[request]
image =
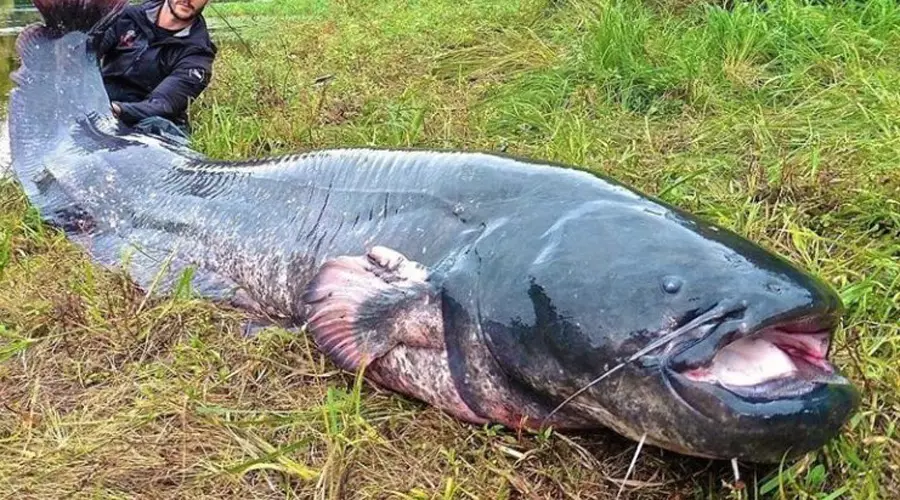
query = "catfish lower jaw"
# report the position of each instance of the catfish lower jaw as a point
(763, 429)
(762, 396)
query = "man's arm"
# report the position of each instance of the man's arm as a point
(172, 96)
(105, 41)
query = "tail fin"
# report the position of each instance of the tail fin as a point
(57, 83)
(64, 16)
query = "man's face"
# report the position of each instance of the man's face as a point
(186, 10)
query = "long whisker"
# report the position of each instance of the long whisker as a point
(713, 314)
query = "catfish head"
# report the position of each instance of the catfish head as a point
(661, 326)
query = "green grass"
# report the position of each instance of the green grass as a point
(778, 119)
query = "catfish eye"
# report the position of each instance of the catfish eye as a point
(671, 284)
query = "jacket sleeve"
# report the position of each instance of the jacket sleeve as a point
(173, 95)
(106, 41)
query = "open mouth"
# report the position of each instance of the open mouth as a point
(763, 387)
(775, 361)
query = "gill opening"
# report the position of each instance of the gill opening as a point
(716, 313)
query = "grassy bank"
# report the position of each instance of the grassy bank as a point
(778, 120)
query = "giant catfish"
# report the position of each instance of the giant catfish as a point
(497, 289)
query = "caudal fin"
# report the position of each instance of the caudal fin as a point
(64, 16)
(57, 84)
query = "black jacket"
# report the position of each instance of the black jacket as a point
(150, 71)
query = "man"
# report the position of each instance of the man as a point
(155, 59)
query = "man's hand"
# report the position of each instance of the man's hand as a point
(116, 110)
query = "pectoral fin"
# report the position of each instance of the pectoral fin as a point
(361, 307)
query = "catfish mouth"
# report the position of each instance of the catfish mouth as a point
(763, 394)
(777, 361)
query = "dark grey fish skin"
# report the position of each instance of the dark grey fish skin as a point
(491, 287)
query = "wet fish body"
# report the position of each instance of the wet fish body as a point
(492, 287)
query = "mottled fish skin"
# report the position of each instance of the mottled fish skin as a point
(538, 278)
(268, 227)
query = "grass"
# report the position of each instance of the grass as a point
(778, 119)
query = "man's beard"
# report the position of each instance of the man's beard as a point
(171, 4)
